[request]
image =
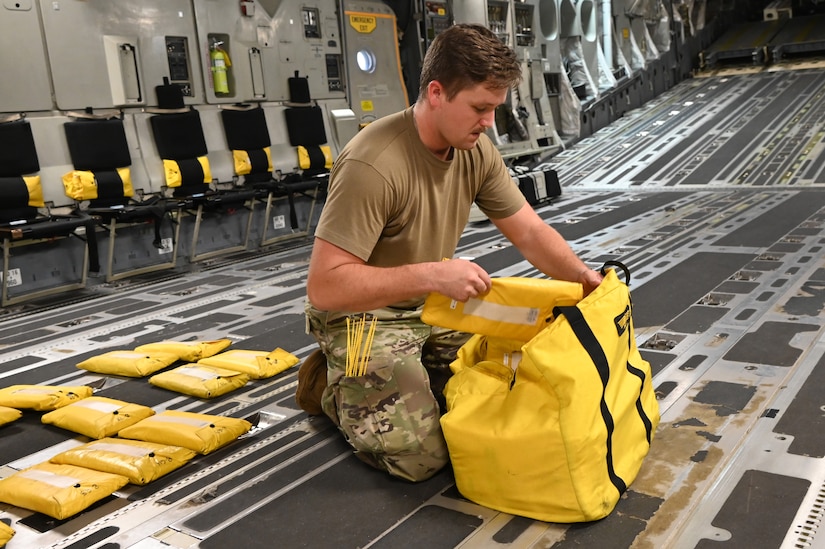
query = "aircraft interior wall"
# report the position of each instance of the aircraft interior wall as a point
(164, 163)
(585, 63)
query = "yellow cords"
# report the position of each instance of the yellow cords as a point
(358, 349)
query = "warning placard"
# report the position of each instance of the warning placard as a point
(362, 23)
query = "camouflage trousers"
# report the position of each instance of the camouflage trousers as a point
(389, 413)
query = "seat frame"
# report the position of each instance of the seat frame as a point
(212, 198)
(14, 237)
(20, 158)
(112, 218)
(255, 136)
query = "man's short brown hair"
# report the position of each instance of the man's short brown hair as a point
(464, 55)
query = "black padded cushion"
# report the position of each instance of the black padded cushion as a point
(317, 160)
(245, 130)
(259, 171)
(191, 173)
(305, 126)
(299, 89)
(97, 144)
(170, 96)
(14, 200)
(18, 155)
(109, 190)
(178, 136)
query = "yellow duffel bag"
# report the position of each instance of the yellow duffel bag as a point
(200, 381)
(558, 430)
(129, 363)
(7, 415)
(59, 491)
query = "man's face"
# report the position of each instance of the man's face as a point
(467, 115)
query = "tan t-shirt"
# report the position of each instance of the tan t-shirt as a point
(391, 202)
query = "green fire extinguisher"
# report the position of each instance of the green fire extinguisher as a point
(220, 62)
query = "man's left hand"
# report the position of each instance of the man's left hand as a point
(589, 280)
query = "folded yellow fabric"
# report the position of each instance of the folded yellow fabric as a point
(190, 351)
(305, 158)
(174, 177)
(6, 533)
(201, 433)
(243, 163)
(479, 348)
(42, 398)
(97, 417)
(514, 308)
(200, 380)
(59, 491)
(139, 461)
(7, 415)
(256, 364)
(129, 363)
(80, 185)
(83, 185)
(35, 192)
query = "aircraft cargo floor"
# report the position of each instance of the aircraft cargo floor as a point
(713, 195)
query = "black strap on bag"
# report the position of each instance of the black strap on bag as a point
(91, 245)
(630, 368)
(594, 349)
(639, 408)
(612, 263)
(591, 344)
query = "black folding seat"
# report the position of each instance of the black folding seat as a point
(248, 137)
(305, 126)
(179, 138)
(100, 152)
(25, 218)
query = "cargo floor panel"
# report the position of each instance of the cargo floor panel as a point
(709, 194)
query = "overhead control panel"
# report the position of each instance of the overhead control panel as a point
(177, 57)
(436, 18)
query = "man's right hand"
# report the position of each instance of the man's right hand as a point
(460, 279)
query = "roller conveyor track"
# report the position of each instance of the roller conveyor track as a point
(723, 227)
(799, 36)
(746, 41)
(762, 129)
(763, 43)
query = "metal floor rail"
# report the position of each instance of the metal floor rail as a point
(713, 195)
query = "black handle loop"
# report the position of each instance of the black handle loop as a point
(620, 265)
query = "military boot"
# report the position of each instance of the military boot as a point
(312, 380)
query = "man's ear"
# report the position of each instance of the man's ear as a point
(435, 93)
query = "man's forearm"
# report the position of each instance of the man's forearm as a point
(550, 253)
(356, 288)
